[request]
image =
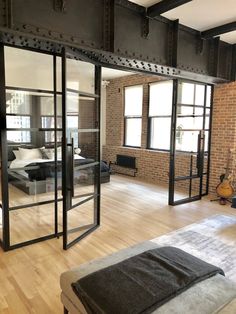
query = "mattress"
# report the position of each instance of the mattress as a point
(18, 164)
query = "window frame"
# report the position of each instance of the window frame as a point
(129, 117)
(149, 118)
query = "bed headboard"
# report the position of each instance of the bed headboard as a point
(10, 149)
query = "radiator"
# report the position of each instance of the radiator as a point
(126, 161)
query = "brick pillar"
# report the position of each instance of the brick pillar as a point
(223, 131)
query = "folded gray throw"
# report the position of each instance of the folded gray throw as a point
(142, 283)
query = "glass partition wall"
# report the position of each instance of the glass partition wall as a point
(190, 142)
(38, 116)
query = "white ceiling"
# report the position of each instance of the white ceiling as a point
(109, 74)
(202, 14)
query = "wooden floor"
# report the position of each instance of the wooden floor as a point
(132, 211)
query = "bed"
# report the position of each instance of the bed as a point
(216, 294)
(35, 172)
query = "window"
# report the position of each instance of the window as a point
(133, 115)
(160, 111)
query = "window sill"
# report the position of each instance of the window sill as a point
(132, 147)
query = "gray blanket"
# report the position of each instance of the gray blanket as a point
(142, 283)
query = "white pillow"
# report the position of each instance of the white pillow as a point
(77, 150)
(17, 154)
(50, 153)
(30, 153)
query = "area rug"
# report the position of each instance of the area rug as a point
(212, 239)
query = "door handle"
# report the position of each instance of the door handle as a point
(69, 161)
(72, 167)
(200, 152)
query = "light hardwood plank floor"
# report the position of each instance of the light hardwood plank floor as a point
(132, 212)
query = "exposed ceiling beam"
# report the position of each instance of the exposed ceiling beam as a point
(164, 6)
(216, 31)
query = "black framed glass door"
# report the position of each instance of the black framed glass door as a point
(80, 147)
(29, 130)
(190, 142)
(50, 147)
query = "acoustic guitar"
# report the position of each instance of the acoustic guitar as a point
(224, 189)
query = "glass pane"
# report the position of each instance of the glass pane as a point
(186, 93)
(31, 223)
(18, 102)
(181, 190)
(195, 187)
(84, 177)
(27, 69)
(88, 115)
(185, 110)
(205, 162)
(80, 75)
(204, 184)
(186, 140)
(73, 122)
(17, 122)
(199, 95)
(59, 75)
(133, 132)
(185, 164)
(160, 133)
(31, 183)
(160, 98)
(207, 122)
(60, 215)
(32, 169)
(80, 219)
(19, 136)
(28, 107)
(72, 103)
(87, 144)
(133, 100)
(47, 122)
(208, 96)
(206, 141)
(51, 182)
(47, 111)
(47, 105)
(189, 123)
(186, 188)
(49, 137)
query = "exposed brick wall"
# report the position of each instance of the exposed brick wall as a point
(223, 131)
(88, 120)
(153, 166)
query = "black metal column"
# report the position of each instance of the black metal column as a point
(172, 144)
(64, 150)
(55, 144)
(98, 79)
(4, 155)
